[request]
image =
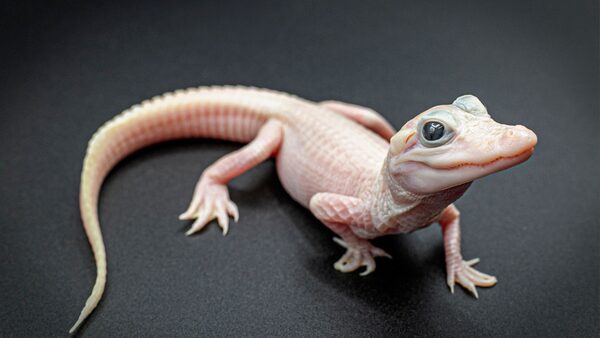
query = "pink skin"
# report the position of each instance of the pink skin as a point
(364, 116)
(344, 162)
(337, 212)
(480, 147)
(457, 269)
(211, 198)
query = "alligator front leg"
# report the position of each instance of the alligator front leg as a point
(457, 269)
(338, 212)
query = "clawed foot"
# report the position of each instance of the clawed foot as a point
(468, 277)
(358, 255)
(210, 201)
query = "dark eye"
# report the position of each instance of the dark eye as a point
(433, 130)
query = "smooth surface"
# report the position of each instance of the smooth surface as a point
(67, 69)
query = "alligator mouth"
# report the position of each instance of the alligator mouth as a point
(501, 160)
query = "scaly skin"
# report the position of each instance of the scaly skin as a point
(332, 157)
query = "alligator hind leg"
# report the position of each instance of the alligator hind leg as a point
(367, 117)
(211, 197)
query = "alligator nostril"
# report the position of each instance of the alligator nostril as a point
(526, 135)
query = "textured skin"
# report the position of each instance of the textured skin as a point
(332, 157)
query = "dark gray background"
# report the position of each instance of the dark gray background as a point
(67, 68)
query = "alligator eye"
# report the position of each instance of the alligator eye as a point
(433, 130)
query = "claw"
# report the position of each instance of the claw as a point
(450, 281)
(222, 218)
(367, 271)
(357, 255)
(370, 266)
(210, 201)
(188, 214)
(480, 278)
(203, 218)
(232, 209)
(192, 209)
(468, 277)
(472, 262)
(340, 242)
(467, 283)
(378, 252)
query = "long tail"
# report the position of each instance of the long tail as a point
(230, 113)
